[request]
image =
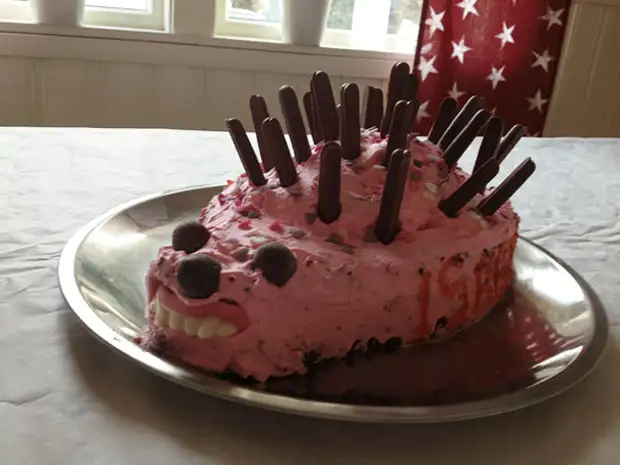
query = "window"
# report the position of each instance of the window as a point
(133, 14)
(390, 25)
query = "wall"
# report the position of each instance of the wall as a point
(51, 80)
(144, 84)
(586, 99)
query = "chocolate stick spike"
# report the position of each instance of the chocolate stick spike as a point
(350, 121)
(460, 121)
(387, 223)
(309, 110)
(447, 111)
(294, 123)
(325, 105)
(258, 108)
(412, 96)
(246, 152)
(397, 90)
(493, 202)
(458, 147)
(317, 119)
(452, 205)
(329, 183)
(374, 108)
(398, 129)
(278, 147)
(490, 143)
(509, 142)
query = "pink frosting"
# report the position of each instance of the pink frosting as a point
(348, 287)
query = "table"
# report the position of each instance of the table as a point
(67, 399)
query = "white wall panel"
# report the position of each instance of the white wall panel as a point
(67, 91)
(125, 95)
(179, 98)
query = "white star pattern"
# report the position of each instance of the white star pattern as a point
(468, 6)
(434, 22)
(537, 102)
(426, 48)
(459, 50)
(426, 67)
(496, 76)
(422, 113)
(506, 35)
(455, 93)
(543, 60)
(553, 17)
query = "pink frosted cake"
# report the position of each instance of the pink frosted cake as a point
(370, 236)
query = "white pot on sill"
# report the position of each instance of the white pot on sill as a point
(58, 12)
(303, 21)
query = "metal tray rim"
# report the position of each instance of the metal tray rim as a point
(580, 368)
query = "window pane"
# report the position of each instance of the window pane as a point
(254, 10)
(404, 14)
(341, 14)
(140, 5)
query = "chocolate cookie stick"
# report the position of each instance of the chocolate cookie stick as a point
(245, 151)
(294, 123)
(329, 183)
(278, 147)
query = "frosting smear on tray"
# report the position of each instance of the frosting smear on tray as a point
(368, 236)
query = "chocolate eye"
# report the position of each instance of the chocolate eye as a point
(276, 261)
(190, 237)
(198, 276)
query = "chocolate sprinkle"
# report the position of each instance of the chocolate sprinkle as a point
(325, 104)
(374, 108)
(329, 184)
(190, 236)
(310, 217)
(279, 149)
(387, 224)
(451, 205)
(241, 254)
(277, 263)
(246, 152)
(447, 112)
(507, 188)
(258, 108)
(465, 138)
(397, 90)
(198, 276)
(490, 142)
(460, 121)
(294, 123)
(350, 121)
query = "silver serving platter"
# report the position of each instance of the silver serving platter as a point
(102, 271)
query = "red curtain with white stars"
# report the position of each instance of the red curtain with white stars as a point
(506, 51)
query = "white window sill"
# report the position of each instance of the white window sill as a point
(93, 32)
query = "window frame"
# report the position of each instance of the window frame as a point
(155, 19)
(263, 31)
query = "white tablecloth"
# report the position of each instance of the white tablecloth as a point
(67, 399)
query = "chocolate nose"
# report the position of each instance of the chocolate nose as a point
(198, 276)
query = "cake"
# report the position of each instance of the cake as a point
(370, 236)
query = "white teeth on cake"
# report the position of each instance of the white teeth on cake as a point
(226, 329)
(203, 328)
(191, 325)
(176, 321)
(208, 327)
